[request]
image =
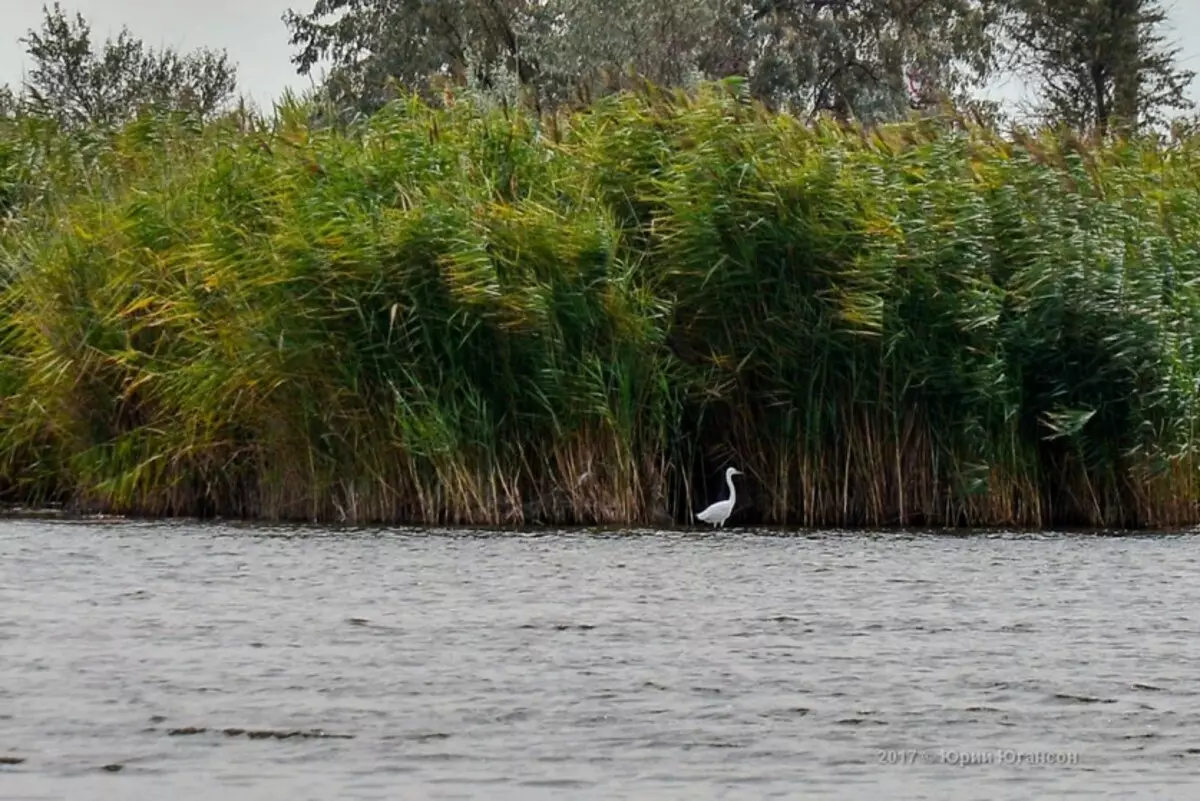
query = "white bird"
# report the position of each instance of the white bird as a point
(719, 511)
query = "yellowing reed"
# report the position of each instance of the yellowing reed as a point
(470, 316)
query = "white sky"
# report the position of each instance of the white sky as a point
(253, 33)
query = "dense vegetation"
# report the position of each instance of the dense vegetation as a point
(463, 314)
(1092, 64)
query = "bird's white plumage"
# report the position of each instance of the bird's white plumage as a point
(719, 511)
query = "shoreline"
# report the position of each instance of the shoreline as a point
(18, 512)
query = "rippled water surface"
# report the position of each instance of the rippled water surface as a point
(155, 661)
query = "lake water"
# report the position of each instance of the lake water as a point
(152, 660)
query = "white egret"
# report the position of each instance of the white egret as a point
(719, 511)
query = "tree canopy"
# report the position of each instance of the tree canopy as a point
(1098, 63)
(862, 58)
(75, 83)
(1091, 61)
(1094, 65)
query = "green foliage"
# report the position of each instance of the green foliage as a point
(874, 59)
(8, 103)
(74, 84)
(1099, 64)
(477, 316)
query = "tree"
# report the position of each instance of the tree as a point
(866, 58)
(76, 85)
(373, 44)
(1099, 64)
(8, 102)
(874, 58)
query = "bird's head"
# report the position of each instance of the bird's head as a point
(733, 471)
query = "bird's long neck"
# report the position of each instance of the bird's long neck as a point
(732, 491)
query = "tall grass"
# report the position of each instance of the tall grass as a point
(464, 316)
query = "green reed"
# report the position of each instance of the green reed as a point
(465, 316)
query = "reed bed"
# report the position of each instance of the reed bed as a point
(458, 315)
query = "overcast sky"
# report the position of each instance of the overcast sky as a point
(253, 33)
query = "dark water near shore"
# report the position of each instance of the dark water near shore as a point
(597, 666)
